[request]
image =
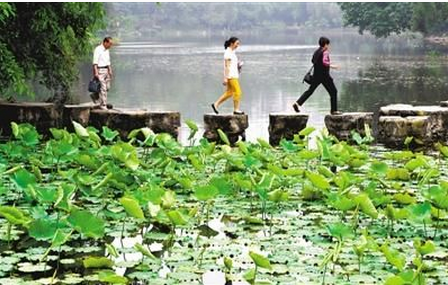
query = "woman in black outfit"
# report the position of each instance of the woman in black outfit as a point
(322, 65)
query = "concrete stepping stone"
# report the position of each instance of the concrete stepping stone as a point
(341, 125)
(164, 122)
(234, 126)
(41, 115)
(121, 120)
(78, 113)
(393, 130)
(438, 117)
(285, 125)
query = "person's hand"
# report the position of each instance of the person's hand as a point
(97, 76)
(335, 66)
(224, 81)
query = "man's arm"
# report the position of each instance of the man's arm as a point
(109, 70)
(95, 71)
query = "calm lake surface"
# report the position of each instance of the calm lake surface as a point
(185, 75)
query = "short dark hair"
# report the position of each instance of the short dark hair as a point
(107, 39)
(323, 41)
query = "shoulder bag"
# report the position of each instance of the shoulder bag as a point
(308, 78)
(94, 85)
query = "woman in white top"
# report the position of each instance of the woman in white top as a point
(231, 75)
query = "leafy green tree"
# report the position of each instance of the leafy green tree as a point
(43, 42)
(381, 19)
(430, 18)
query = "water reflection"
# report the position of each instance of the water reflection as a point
(186, 76)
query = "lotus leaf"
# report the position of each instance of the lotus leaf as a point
(86, 223)
(97, 262)
(23, 178)
(176, 218)
(204, 193)
(223, 137)
(42, 229)
(318, 180)
(108, 134)
(80, 130)
(366, 205)
(109, 276)
(143, 250)
(340, 230)
(132, 207)
(260, 260)
(393, 257)
(14, 215)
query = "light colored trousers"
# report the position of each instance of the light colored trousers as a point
(104, 78)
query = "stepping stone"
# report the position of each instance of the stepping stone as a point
(164, 122)
(77, 113)
(285, 125)
(438, 117)
(393, 130)
(341, 125)
(43, 116)
(234, 126)
(121, 120)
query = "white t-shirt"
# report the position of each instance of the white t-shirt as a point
(233, 70)
(101, 56)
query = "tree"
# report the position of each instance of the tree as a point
(44, 42)
(430, 18)
(381, 19)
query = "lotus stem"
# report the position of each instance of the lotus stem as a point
(121, 238)
(325, 272)
(437, 224)
(8, 233)
(255, 273)
(424, 229)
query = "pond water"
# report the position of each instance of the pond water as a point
(185, 75)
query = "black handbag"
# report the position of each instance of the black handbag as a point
(308, 78)
(94, 85)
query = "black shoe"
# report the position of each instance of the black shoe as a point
(214, 109)
(238, 112)
(335, 113)
(295, 106)
(109, 106)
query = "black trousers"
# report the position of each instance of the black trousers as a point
(328, 83)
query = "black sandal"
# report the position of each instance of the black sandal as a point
(295, 106)
(214, 109)
(238, 112)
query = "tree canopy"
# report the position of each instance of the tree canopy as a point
(383, 19)
(43, 42)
